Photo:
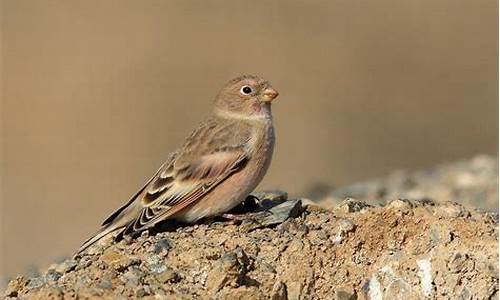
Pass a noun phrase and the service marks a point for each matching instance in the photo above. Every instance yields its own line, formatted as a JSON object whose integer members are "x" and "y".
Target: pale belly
{"x": 236, "y": 188}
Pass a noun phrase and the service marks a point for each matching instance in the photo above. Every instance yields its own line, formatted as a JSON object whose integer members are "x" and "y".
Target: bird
{"x": 219, "y": 164}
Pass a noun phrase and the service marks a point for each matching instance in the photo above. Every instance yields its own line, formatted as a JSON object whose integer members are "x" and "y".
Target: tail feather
{"x": 105, "y": 231}
{"x": 118, "y": 221}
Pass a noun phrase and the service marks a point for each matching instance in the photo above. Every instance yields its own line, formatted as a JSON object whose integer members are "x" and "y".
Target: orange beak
{"x": 269, "y": 94}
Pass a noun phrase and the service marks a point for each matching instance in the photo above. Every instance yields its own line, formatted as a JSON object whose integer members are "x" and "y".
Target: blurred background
{"x": 97, "y": 93}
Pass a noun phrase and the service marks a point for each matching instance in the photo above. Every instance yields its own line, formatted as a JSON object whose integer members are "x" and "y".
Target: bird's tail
{"x": 105, "y": 231}
{"x": 118, "y": 221}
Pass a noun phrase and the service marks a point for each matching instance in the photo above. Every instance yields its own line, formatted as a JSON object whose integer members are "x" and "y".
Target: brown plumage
{"x": 215, "y": 169}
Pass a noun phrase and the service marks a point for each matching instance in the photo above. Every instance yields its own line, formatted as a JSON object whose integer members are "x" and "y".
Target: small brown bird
{"x": 218, "y": 165}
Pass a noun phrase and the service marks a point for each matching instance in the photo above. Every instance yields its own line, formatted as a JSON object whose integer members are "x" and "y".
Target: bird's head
{"x": 246, "y": 95}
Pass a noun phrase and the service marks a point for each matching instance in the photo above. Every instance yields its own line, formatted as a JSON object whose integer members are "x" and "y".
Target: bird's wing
{"x": 212, "y": 153}
{"x": 174, "y": 189}
{"x": 115, "y": 214}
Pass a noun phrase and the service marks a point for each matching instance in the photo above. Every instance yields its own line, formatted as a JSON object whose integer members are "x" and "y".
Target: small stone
{"x": 133, "y": 277}
{"x": 351, "y": 205}
{"x": 168, "y": 276}
{"x": 318, "y": 237}
{"x": 105, "y": 283}
{"x": 228, "y": 270}
{"x": 117, "y": 260}
{"x": 279, "y": 291}
{"x": 272, "y": 216}
{"x": 162, "y": 246}
{"x": 66, "y": 266}
{"x": 336, "y": 239}
{"x": 465, "y": 294}
{"x": 84, "y": 262}
{"x": 343, "y": 295}
{"x": 188, "y": 229}
{"x": 157, "y": 268}
{"x": 52, "y": 275}
{"x": 242, "y": 257}
{"x": 400, "y": 204}
{"x": 140, "y": 293}
{"x": 425, "y": 201}
{"x": 281, "y": 212}
{"x": 346, "y": 226}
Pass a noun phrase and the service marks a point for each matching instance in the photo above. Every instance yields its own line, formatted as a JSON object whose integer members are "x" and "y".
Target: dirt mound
{"x": 401, "y": 250}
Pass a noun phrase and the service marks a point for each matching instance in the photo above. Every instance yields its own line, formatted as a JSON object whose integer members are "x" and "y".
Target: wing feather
{"x": 186, "y": 186}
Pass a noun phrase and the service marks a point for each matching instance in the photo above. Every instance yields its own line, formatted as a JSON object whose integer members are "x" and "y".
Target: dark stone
{"x": 163, "y": 245}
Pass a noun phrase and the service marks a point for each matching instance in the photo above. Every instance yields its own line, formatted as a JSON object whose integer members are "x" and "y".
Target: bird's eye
{"x": 246, "y": 90}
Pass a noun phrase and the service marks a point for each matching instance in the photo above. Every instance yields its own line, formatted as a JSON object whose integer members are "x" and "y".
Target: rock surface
{"x": 280, "y": 248}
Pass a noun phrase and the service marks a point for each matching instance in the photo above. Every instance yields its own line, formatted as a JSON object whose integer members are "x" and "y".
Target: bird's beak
{"x": 269, "y": 94}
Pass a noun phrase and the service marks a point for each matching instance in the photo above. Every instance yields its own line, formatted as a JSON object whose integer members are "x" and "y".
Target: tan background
{"x": 96, "y": 93}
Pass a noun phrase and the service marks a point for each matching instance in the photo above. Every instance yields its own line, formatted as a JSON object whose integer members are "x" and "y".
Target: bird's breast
{"x": 262, "y": 144}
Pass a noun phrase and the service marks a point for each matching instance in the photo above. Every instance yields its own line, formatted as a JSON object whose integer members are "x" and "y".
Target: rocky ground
{"x": 421, "y": 248}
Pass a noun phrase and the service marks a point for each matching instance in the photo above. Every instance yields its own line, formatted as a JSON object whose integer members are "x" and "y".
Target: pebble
{"x": 346, "y": 226}
{"x": 132, "y": 277}
{"x": 157, "y": 268}
{"x": 105, "y": 283}
{"x": 117, "y": 259}
{"x": 163, "y": 245}
{"x": 400, "y": 204}
{"x": 274, "y": 215}
{"x": 465, "y": 294}
{"x": 52, "y": 275}
{"x": 351, "y": 205}
{"x": 141, "y": 292}
{"x": 168, "y": 275}
{"x": 84, "y": 262}
{"x": 228, "y": 270}
{"x": 66, "y": 266}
